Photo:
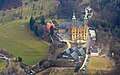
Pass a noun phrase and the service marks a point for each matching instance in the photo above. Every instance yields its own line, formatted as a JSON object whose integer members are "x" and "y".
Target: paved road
{"x": 67, "y": 41}
{"x": 87, "y": 45}
{"x": 86, "y": 58}
{"x": 69, "y": 46}
{"x": 6, "y": 58}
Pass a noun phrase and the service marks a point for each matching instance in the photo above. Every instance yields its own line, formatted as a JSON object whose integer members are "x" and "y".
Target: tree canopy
{"x": 32, "y": 21}
{"x": 51, "y": 30}
{"x": 43, "y": 20}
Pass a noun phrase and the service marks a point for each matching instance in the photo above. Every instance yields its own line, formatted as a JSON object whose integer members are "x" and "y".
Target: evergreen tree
{"x": 32, "y": 21}
{"x": 8, "y": 4}
{"x": 19, "y": 59}
{"x": 51, "y": 30}
{"x": 77, "y": 69}
{"x": 36, "y": 31}
{"x": 1, "y": 3}
{"x": 43, "y": 20}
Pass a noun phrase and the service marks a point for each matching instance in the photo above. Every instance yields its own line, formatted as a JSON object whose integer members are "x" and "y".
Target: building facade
{"x": 79, "y": 32}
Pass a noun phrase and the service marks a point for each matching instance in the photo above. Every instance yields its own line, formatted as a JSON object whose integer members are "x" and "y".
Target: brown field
{"x": 99, "y": 63}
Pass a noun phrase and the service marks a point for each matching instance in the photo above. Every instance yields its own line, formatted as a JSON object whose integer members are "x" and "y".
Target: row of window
{"x": 79, "y": 34}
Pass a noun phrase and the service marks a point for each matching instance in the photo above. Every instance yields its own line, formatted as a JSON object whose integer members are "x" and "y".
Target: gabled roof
{"x": 74, "y": 48}
{"x": 74, "y": 55}
{"x": 81, "y": 51}
{"x": 64, "y": 25}
{"x": 68, "y": 51}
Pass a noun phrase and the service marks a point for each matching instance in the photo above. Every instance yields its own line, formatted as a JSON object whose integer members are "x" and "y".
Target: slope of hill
{"x": 14, "y": 35}
{"x": 105, "y": 20}
{"x": 9, "y": 4}
{"x": 17, "y": 40}
{"x": 107, "y": 11}
{"x": 29, "y": 8}
{"x": 2, "y": 66}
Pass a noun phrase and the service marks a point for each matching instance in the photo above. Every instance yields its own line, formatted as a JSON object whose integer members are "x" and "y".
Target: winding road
{"x": 69, "y": 46}
{"x": 6, "y": 58}
{"x": 67, "y": 41}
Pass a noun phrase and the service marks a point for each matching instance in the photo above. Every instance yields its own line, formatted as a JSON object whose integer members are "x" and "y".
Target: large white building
{"x": 93, "y": 34}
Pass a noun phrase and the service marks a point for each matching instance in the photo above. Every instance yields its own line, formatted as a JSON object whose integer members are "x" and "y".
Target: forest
{"x": 8, "y": 4}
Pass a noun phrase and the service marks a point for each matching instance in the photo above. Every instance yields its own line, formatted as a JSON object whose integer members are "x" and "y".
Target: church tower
{"x": 74, "y": 27}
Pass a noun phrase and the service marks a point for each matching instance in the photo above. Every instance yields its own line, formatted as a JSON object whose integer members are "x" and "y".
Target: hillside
{"x": 29, "y": 8}
{"x": 9, "y": 4}
{"x": 17, "y": 40}
{"x": 15, "y": 36}
{"x": 105, "y": 20}
{"x": 106, "y": 10}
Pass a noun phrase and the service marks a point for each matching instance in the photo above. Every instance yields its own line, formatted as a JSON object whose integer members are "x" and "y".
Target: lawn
{"x": 2, "y": 65}
{"x": 99, "y": 63}
{"x": 16, "y": 38}
{"x": 27, "y": 10}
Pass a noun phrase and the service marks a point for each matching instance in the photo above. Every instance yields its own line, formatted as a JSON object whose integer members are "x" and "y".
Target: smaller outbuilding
{"x": 49, "y": 26}
{"x": 73, "y": 53}
{"x": 93, "y": 34}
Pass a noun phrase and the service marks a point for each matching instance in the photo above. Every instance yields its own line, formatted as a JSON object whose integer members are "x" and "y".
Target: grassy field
{"x": 29, "y": 8}
{"x": 16, "y": 39}
{"x": 99, "y": 63}
{"x": 2, "y": 65}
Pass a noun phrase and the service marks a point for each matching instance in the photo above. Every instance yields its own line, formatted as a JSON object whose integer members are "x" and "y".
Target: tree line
{"x": 108, "y": 14}
{"x": 8, "y": 4}
{"x": 34, "y": 25}
{"x": 37, "y": 27}
{"x": 66, "y": 7}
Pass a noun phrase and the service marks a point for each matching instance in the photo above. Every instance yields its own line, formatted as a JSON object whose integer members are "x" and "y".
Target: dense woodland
{"x": 66, "y": 7}
{"x": 106, "y": 10}
{"x": 106, "y": 20}
{"x": 8, "y": 4}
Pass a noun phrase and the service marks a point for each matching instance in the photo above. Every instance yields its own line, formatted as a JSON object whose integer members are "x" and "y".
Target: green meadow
{"x": 18, "y": 40}
{"x": 2, "y": 65}
{"x": 15, "y": 35}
